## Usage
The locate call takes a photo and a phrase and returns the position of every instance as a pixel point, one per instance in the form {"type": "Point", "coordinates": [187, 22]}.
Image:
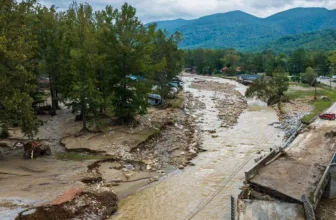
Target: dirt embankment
{"type": "Point", "coordinates": [326, 209]}
{"type": "Point", "coordinates": [163, 137]}
{"type": "Point", "coordinates": [89, 204]}
{"type": "Point", "coordinates": [134, 156]}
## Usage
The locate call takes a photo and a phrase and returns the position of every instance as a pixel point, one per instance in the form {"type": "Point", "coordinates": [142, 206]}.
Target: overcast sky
{"type": "Point", "coordinates": [154, 10]}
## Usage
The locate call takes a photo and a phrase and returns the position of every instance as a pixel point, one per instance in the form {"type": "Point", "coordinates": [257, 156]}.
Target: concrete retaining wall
{"type": "Point", "coordinates": [252, 172]}
{"type": "Point", "coordinates": [330, 191]}
{"type": "Point", "coordinates": [273, 193]}
{"type": "Point", "coordinates": [291, 138]}
{"type": "Point", "coordinates": [324, 181]}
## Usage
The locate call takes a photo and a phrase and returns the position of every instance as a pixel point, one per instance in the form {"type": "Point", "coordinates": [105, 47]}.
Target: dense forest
{"type": "Point", "coordinates": [245, 32]}
{"type": "Point", "coordinates": [206, 61]}
{"type": "Point", "coordinates": [93, 61]}
{"type": "Point", "coordinates": [319, 40]}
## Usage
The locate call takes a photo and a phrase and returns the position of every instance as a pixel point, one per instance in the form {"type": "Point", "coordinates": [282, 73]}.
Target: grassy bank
{"type": "Point", "coordinates": [319, 107]}
{"type": "Point", "coordinates": [318, 104]}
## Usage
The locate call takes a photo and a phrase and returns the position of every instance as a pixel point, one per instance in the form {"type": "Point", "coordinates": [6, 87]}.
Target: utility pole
{"type": "Point", "coordinates": [315, 88]}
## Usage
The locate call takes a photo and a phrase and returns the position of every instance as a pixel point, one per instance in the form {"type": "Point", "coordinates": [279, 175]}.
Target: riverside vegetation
{"type": "Point", "coordinates": [96, 62]}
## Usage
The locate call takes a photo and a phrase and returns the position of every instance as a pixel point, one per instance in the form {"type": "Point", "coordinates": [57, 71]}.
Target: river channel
{"type": "Point", "coordinates": [203, 191]}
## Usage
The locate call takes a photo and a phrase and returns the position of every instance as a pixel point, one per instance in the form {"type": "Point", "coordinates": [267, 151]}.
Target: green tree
{"type": "Point", "coordinates": [309, 76]}
{"type": "Point", "coordinates": [132, 59]}
{"type": "Point", "coordinates": [321, 63]}
{"type": "Point", "coordinates": [272, 91]}
{"type": "Point", "coordinates": [167, 59]}
{"type": "Point", "coordinates": [281, 62]}
{"type": "Point", "coordinates": [231, 59]}
{"type": "Point", "coordinates": [199, 60]}
{"type": "Point", "coordinates": [17, 45]}
{"type": "Point", "coordinates": [47, 29]}
{"type": "Point", "coordinates": [269, 63]}
{"type": "Point", "coordinates": [279, 85]}
{"type": "Point", "coordinates": [106, 40]}
{"type": "Point", "coordinates": [258, 61]}
{"type": "Point", "coordinates": [332, 60]}
{"type": "Point", "coordinates": [298, 61]}
{"type": "Point", "coordinates": [81, 85]}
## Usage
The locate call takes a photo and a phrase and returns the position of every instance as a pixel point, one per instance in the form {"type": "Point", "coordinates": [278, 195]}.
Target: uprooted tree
{"type": "Point", "coordinates": [270, 90]}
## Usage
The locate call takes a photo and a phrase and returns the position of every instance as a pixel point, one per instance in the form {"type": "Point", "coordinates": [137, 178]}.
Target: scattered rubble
{"type": "Point", "coordinates": [92, 203]}
{"type": "Point", "coordinates": [326, 209]}
{"type": "Point", "coordinates": [176, 145]}
{"type": "Point", "coordinates": [330, 134]}
{"type": "Point", "coordinates": [291, 115]}
{"type": "Point", "coordinates": [216, 86]}
{"type": "Point", "coordinates": [229, 111]}
{"type": "Point", "coordinates": [35, 148]}
{"type": "Point", "coordinates": [230, 105]}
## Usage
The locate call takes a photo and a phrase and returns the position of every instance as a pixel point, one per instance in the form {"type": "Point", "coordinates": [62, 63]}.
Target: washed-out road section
{"type": "Point", "coordinates": [299, 171]}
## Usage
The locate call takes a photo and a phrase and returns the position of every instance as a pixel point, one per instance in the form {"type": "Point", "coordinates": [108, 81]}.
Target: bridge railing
{"type": "Point", "coordinates": [309, 210]}
{"type": "Point", "coordinates": [323, 183]}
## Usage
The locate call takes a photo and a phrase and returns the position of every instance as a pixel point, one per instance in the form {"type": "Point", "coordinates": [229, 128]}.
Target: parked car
{"type": "Point", "coordinates": [178, 81]}
{"type": "Point", "coordinates": [154, 99]}
{"type": "Point", "coordinates": [328, 116]}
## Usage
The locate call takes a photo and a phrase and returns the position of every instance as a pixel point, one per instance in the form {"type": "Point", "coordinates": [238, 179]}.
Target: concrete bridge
{"type": "Point", "coordinates": [307, 167]}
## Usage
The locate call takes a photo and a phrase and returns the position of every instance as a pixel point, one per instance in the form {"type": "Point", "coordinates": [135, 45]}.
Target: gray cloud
{"type": "Point", "coordinates": [152, 10]}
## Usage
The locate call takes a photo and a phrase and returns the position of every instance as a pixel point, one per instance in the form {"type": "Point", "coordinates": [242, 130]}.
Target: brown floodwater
{"type": "Point", "coordinates": [203, 191]}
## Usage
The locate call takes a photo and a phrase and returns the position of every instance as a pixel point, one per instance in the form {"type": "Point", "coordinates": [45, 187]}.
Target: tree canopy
{"type": "Point", "coordinates": [17, 45]}
{"type": "Point", "coordinates": [94, 61]}
{"type": "Point", "coordinates": [207, 61]}
{"type": "Point", "coordinates": [270, 90]}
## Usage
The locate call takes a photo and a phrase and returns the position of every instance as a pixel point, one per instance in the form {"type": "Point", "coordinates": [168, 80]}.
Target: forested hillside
{"type": "Point", "coordinates": [302, 20]}
{"type": "Point", "coordinates": [319, 40]}
{"type": "Point", "coordinates": [246, 32]}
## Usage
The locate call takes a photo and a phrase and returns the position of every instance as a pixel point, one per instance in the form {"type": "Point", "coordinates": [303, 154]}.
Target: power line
{"type": "Point", "coordinates": [200, 207]}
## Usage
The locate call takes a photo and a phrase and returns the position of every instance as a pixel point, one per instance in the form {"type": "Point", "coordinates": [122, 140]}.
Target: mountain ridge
{"type": "Point", "coordinates": [246, 32]}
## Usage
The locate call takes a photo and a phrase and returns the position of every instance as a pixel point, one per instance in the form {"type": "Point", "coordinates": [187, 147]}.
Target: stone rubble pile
{"type": "Point", "coordinates": [293, 112]}
{"type": "Point", "coordinates": [230, 102]}
{"type": "Point", "coordinates": [229, 110]}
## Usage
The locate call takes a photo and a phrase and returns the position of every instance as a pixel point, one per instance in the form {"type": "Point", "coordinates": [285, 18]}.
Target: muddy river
{"type": "Point", "coordinates": [203, 191]}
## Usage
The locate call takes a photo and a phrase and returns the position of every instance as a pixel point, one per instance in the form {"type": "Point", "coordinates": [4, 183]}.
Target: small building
{"type": "Point", "coordinates": [227, 69]}
{"type": "Point", "coordinates": [248, 78]}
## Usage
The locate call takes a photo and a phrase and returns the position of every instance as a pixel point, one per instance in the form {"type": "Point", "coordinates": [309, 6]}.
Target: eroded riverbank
{"type": "Point", "coordinates": [215, 118]}
{"type": "Point", "coordinates": [191, 193]}
{"type": "Point", "coordinates": [118, 160]}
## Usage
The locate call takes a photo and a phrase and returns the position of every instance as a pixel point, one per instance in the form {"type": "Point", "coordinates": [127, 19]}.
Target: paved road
{"type": "Point", "coordinates": [327, 82]}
